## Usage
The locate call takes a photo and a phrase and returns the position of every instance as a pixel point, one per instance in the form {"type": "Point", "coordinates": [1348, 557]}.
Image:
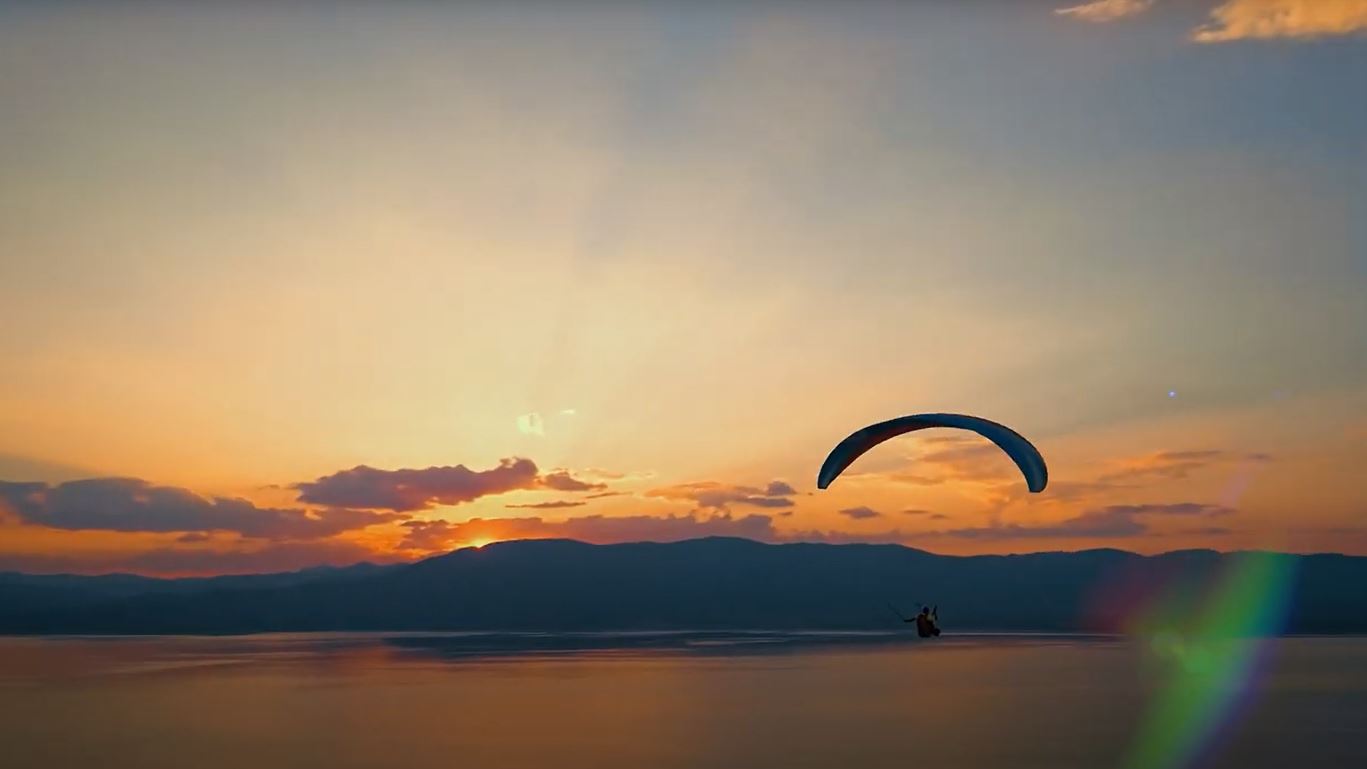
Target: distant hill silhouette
{"type": "Point", "coordinates": [706, 584]}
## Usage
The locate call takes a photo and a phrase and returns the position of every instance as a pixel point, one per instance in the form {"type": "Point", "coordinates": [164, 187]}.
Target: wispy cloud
{"type": "Point", "coordinates": [928, 514]}
{"type": "Point", "coordinates": [1247, 19]}
{"type": "Point", "coordinates": [561, 480]}
{"type": "Point", "coordinates": [551, 505]}
{"type": "Point", "coordinates": [1289, 19]}
{"type": "Point", "coordinates": [974, 466]}
{"type": "Point", "coordinates": [130, 504]}
{"type": "Point", "coordinates": [187, 560]}
{"type": "Point", "coordinates": [710, 495]}
{"type": "Point", "coordinates": [940, 459]}
{"type": "Point", "coordinates": [1175, 464]}
{"type": "Point", "coordinates": [984, 472]}
{"type": "Point", "coordinates": [600, 474]}
{"type": "Point", "coordinates": [430, 536]}
{"type": "Point", "coordinates": [1103, 11]}
{"type": "Point", "coordinates": [1113, 521]}
{"type": "Point", "coordinates": [860, 513]}
{"type": "Point", "coordinates": [435, 535]}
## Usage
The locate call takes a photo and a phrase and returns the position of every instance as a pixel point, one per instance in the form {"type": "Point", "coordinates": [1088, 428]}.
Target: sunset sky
{"type": "Point", "coordinates": [285, 286]}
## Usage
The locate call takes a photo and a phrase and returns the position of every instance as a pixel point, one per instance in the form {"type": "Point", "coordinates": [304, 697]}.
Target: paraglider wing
{"type": "Point", "coordinates": [1025, 455]}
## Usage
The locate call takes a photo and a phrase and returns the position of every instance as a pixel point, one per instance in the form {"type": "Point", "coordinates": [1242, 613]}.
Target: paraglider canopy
{"type": "Point", "coordinates": [1021, 451]}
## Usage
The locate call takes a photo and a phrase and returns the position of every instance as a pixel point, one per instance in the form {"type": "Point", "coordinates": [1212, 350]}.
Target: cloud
{"type": "Point", "coordinates": [1113, 521]}
{"type": "Point", "coordinates": [957, 460]}
{"type": "Point", "coordinates": [555, 504]}
{"type": "Point", "coordinates": [1072, 491]}
{"type": "Point", "coordinates": [981, 471]}
{"type": "Point", "coordinates": [599, 474]}
{"type": "Point", "coordinates": [199, 561]}
{"type": "Point", "coordinates": [927, 513]}
{"type": "Point", "coordinates": [710, 495]}
{"type": "Point", "coordinates": [1102, 11]}
{"type": "Point", "coordinates": [437, 535]}
{"type": "Point", "coordinates": [967, 454]}
{"type": "Point", "coordinates": [916, 479]}
{"type": "Point", "coordinates": [1247, 19]}
{"type": "Point", "coordinates": [1175, 465]}
{"type": "Point", "coordinates": [1168, 464]}
{"type": "Point", "coordinates": [1176, 508]}
{"type": "Point", "coordinates": [1289, 19]}
{"type": "Point", "coordinates": [976, 468]}
{"type": "Point", "coordinates": [779, 489]}
{"type": "Point", "coordinates": [953, 459]}
{"type": "Point", "coordinates": [603, 494]}
{"type": "Point", "coordinates": [440, 535]}
{"type": "Point", "coordinates": [860, 513]}
{"type": "Point", "coordinates": [407, 490]}
{"type": "Point", "coordinates": [945, 438]}
{"type": "Point", "coordinates": [130, 504]}
{"type": "Point", "coordinates": [428, 536]}
{"type": "Point", "coordinates": [561, 480]}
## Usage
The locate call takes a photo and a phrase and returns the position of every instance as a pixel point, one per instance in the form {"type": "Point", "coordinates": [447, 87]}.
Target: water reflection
{"type": "Point", "coordinates": [688, 699]}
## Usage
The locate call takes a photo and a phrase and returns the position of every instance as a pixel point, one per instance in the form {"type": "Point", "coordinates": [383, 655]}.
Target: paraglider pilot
{"type": "Point", "coordinates": [926, 622]}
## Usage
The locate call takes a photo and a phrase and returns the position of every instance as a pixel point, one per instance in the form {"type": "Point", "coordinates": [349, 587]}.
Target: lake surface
{"type": "Point", "coordinates": [654, 701]}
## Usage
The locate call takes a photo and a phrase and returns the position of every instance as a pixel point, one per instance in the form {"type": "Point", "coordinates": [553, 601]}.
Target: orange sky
{"type": "Point", "coordinates": [700, 246]}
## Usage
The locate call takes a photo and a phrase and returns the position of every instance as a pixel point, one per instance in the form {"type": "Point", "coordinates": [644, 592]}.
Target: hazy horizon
{"type": "Point", "coordinates": [193, 575]}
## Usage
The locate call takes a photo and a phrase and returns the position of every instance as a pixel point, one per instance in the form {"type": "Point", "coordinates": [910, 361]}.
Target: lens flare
{"type": "Point", "coordinates": [531, 424]}
{"type": "Point", "coordinates": [1207, 643]}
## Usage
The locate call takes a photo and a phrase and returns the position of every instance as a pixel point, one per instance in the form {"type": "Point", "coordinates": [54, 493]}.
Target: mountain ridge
{"type": "Point", "coordinates": [705, 583]}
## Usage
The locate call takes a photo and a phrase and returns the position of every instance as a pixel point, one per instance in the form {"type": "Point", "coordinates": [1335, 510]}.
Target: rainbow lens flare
{"type": "Point", "coordinates": [1207, 643]}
